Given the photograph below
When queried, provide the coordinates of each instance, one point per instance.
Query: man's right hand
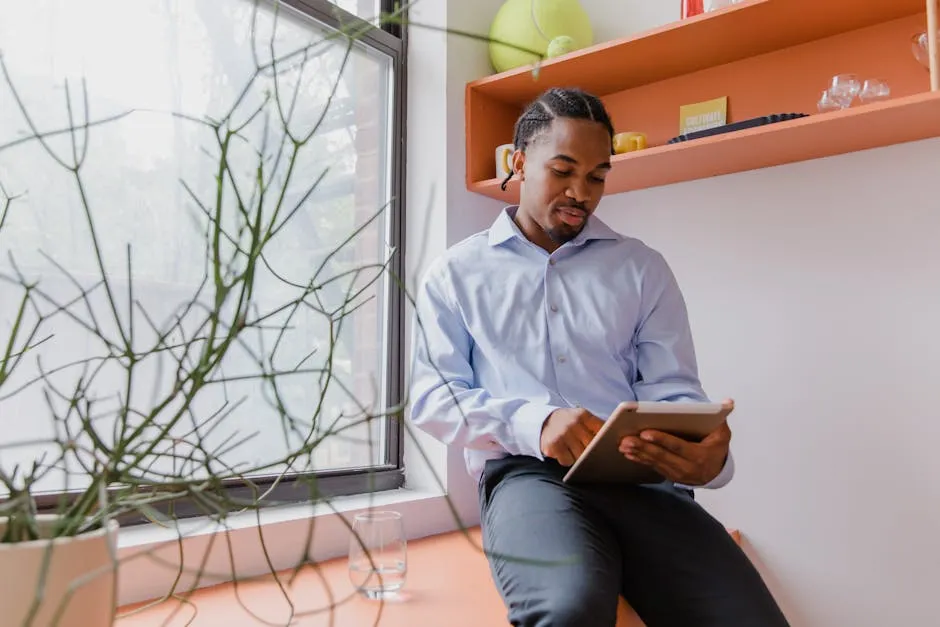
(566, 433)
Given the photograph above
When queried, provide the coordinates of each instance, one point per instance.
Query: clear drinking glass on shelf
(873, 90)
(919, 48)
(828, 103)
(845, 87)
(378, 560)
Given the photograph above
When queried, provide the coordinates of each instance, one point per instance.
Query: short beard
(564, 234)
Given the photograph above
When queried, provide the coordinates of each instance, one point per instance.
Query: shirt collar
(505, 228)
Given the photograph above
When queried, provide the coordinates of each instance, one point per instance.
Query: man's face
(563, 172)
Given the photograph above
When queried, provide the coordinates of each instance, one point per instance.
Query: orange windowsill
(448, 582)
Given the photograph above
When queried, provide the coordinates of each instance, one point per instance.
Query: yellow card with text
(703, 115)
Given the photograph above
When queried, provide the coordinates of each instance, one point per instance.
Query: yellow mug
(629, 142)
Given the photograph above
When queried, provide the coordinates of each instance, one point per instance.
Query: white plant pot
(80, 578)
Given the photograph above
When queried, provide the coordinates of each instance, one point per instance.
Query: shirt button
(554, 307)
(562, 359)
(551, 262)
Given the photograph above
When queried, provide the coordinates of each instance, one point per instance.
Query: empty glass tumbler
(378, 560)
(873, 90)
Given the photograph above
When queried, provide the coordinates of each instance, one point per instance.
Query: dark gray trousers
(560, 555)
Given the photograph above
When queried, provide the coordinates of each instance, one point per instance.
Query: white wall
(613, 19)
(440, 209)
(814, 292)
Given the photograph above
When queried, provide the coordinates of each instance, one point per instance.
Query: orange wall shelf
(766, 56)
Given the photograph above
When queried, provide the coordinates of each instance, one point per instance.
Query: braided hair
(557, 102)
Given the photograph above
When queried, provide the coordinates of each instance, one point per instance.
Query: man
(529, 335)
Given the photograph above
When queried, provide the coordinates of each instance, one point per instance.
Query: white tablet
(602, 461)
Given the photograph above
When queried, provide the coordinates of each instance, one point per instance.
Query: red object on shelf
(691, 7)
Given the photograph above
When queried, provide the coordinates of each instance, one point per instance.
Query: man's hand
(566, 433)
(681, 461)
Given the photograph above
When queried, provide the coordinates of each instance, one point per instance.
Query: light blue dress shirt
(506, 333)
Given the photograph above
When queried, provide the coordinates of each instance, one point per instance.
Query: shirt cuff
(723, 478)
(526, 428)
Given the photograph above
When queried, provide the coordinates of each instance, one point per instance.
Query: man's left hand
(680, 461)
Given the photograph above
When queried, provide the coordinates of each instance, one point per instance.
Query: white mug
(714, 5)
(504, 160)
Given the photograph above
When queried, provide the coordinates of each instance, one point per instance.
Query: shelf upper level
(708, 40)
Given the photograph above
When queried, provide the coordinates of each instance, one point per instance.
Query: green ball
(563, 44)
(533, 27)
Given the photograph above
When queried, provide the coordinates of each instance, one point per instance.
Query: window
(159, 74)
